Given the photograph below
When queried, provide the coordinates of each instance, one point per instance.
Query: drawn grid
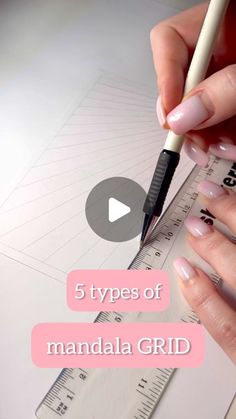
(113, 132)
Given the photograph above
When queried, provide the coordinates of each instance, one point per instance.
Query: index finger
(173, 42)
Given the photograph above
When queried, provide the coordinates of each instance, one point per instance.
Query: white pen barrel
(201, 59)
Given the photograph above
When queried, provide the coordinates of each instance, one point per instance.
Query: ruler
(135, 393)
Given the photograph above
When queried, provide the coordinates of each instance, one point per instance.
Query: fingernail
(188, 115)
(223, 150)
(210, 189)
(196, 226)
(160, 112)
(195, 153)
(184, 269)
(226, 140)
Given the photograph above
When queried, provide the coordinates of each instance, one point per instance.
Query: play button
(117, 210)
(114, 209)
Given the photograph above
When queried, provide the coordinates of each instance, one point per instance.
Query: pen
(170, 155)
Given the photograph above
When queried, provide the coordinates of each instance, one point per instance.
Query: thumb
(210, 103)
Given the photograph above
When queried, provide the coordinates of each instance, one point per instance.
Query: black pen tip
(148, 224)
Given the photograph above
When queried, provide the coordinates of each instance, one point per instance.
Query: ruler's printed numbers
(194, 196)
(62, 408)
(142, 383)
(210, 172)
(186, 209)
(118, 319)
(177, 222)
(169, 235)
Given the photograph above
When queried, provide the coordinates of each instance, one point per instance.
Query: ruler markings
(50, 400)
(66, 388)
(141, 411)
(85, 372)
(154, 392)
(146, 405)
(145, 395)
(147, 410)
(154, 255)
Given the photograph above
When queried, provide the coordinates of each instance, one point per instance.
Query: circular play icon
(114, 209)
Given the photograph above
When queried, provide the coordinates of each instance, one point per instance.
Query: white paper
(44, 216)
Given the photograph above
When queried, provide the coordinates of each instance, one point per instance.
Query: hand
(215, 313)
(207, 114)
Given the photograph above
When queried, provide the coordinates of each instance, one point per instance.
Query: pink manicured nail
(196, 226)
(160, 112)
(226, 151)
(210, 189)
(188, 115)
(195, 153)
(184, 269)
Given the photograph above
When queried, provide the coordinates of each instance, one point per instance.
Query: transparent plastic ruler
(135, 393)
